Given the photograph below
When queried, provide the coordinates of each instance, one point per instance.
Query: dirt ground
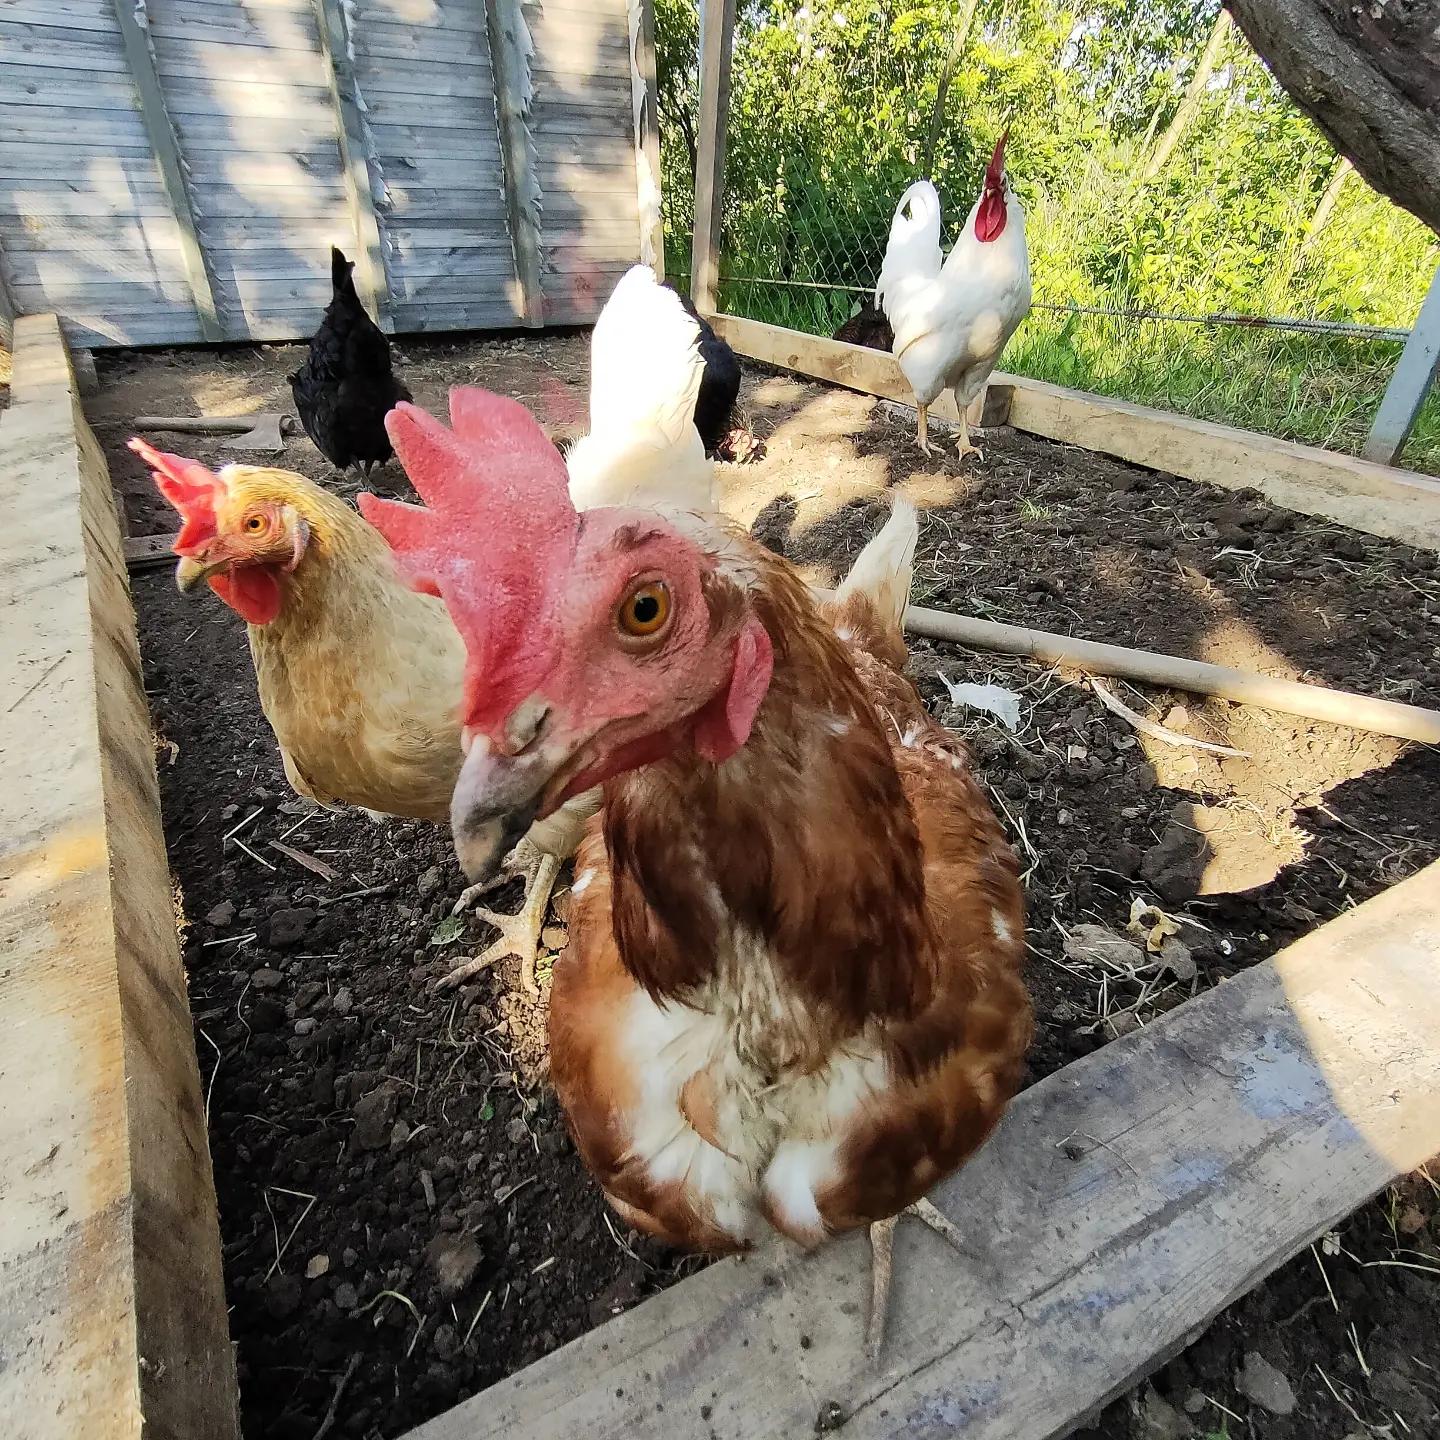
(403, 1217)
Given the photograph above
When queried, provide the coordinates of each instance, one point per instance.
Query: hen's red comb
(496, 525)
(191, 488)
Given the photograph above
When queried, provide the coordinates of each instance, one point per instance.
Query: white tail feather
(645, 371)
(884, 569)
(913, 250)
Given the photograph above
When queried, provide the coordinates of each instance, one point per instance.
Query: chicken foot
(964, 445)
(922, 429)
(882, 1250)
(519, 933)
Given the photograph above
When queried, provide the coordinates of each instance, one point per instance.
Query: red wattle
(990, 218)
(252, 591)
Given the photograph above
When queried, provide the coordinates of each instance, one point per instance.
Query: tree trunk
(958, 41)
(1369, 76)
(1193, 98)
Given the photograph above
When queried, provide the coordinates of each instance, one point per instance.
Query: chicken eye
(254, 523)
(645, 611)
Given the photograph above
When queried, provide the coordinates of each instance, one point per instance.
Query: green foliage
(831, 105)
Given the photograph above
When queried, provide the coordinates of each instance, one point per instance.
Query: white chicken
(952, 320)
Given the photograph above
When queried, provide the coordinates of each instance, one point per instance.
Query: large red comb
(995, 171)
(496, 525)
(191, 488)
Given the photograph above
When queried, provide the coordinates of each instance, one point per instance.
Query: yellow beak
(190, 573)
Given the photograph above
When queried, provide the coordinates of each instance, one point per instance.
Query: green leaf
(448, 931)
(487, 1111)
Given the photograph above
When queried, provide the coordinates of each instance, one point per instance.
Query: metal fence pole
(1409, 385)
(717, 26)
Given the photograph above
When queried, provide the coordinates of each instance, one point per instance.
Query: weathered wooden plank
(716, 37)
(101, 332)
(510, 51)
(166, 146)
(114, 1319)
(645, 119)
(9, 310)
(1397, 504)
(1409, 385)
(337, 50)
(1124, 1201)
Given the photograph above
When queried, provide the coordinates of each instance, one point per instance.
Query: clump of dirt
(403, 1216)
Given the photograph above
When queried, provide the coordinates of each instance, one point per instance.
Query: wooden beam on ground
(1409, 385)
(717, 29)
(114, 1321)
(1124, 1201)
(645, 104)
(166, 145)
(1396, 504)
(510, 51)
(336, 48)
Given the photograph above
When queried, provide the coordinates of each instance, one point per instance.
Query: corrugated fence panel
(245, 88)
(85, 226)
(90, 228)
(423, 72)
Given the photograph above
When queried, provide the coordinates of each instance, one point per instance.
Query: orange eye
(645, 611)
(254, 523)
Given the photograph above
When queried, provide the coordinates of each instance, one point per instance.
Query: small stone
(429, 882)
(1159, 1419)
(1347, 547)
(516, 1131)
(1194, 1402)
(553, 937)
(306, 1026)
(1177, 717)
(345, 1296)
(221, 915)
(1123, 1023)
(1262, 1384)
(343, 1001)
(399, 1134)
(453, 1260)
(288, 927)
(282, 1296)
(374, 1117)
(349, 1259)
(319, 1265)
(229, 812)
(266, 979)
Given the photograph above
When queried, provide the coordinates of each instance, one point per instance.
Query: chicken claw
(519, 934)
(922, 429)
(882, 1248)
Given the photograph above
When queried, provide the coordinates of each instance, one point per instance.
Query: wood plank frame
(1124, 1201)
(114, 1321)
(1409, 385)
(510, 50)
(717, 33)
(1395, 504)
(335, 49)
(166, 145)
(645, 98)
(9, 311)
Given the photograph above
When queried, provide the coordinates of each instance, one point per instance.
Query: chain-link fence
(1195, 243)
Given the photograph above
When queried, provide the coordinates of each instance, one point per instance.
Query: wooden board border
(113, 1322)
(1377, 499)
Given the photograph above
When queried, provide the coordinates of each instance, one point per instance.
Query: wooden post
(166, 145)
(717, 27)
(9, 311)
(510, 50)
(645, 100)
(335, 51)
(1409, 385)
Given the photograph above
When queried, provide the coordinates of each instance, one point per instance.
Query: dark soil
(388, 1162)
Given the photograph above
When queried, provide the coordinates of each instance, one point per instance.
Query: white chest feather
(725, 1066)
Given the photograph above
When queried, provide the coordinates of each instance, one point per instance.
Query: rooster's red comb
(496, 524)
(995, 171)
(191, 488)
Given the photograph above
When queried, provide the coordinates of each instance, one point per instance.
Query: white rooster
(953, 319)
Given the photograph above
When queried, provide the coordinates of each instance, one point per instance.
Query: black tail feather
(342, 272)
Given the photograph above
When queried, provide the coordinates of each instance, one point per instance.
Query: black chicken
(719, 388)
(869, 327)
(346, 386)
